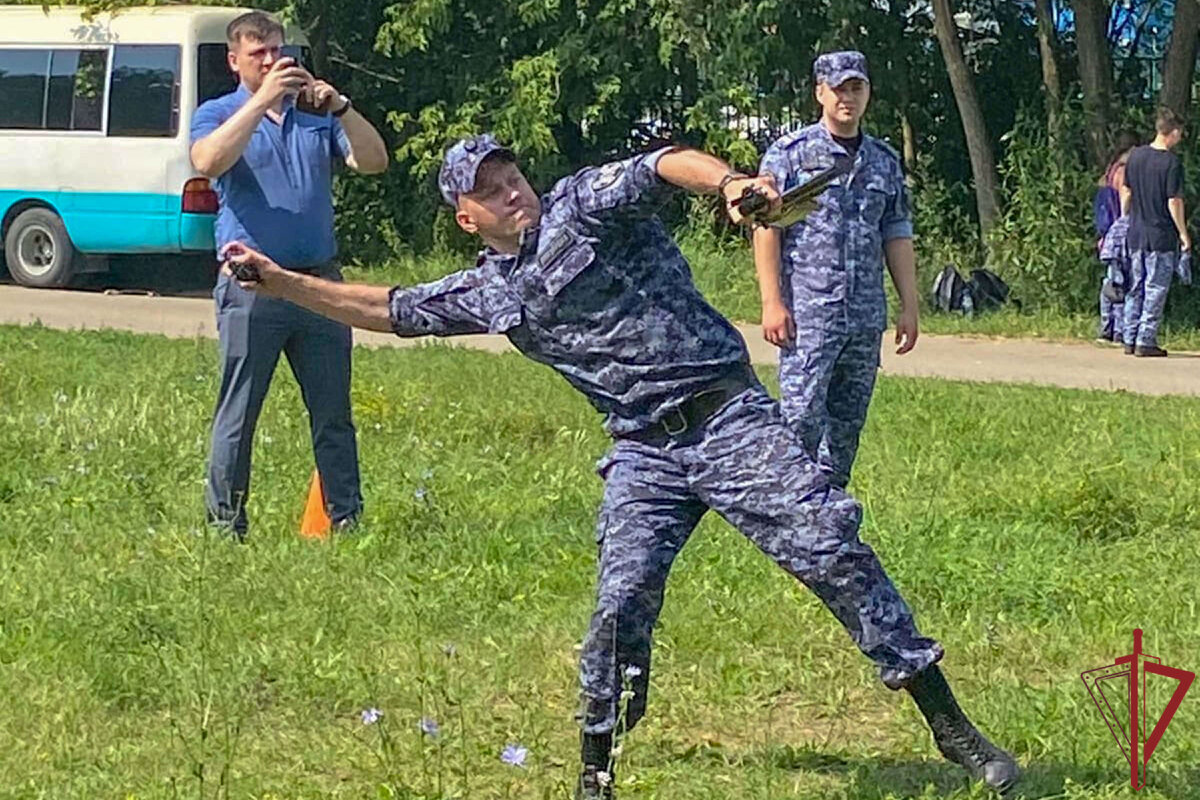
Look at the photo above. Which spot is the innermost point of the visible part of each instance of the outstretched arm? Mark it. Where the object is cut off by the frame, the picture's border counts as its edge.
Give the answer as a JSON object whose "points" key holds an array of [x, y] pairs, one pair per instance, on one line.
{"points": [[469, 301], [358, 305], [701, 173]]}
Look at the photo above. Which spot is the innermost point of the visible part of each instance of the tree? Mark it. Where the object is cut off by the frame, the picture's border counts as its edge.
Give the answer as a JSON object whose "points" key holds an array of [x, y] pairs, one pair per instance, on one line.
{"points": [[1180, 64], [1050, 81], [979, 146], [1095, 74]]}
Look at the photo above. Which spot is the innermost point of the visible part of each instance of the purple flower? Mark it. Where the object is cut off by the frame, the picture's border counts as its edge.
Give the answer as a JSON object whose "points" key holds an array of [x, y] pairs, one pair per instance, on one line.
{"points": [[419, 493], [514, 755], [371, 715], [429, 727], [632, 672]]}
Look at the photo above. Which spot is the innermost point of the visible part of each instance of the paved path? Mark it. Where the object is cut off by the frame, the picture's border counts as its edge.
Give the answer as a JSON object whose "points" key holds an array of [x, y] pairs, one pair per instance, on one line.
{"points": [[1075, 365]]}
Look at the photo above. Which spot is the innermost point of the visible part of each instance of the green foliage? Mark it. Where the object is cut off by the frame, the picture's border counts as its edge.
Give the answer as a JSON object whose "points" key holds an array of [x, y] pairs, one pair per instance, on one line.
{"points": [[567, 81], [1044, 245]]}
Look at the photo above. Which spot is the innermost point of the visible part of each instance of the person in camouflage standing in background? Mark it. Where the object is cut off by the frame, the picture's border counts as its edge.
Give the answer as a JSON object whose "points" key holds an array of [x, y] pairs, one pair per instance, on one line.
{"points": [[588, 281], [821, 280]]}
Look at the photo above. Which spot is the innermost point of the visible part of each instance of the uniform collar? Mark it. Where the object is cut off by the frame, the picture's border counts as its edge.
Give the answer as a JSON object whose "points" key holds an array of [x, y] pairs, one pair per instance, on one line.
{"points": [[827, 135]]}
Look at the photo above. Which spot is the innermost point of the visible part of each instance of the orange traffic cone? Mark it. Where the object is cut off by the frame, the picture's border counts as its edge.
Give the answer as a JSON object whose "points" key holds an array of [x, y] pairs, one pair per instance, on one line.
{"points": [[315, 524]]}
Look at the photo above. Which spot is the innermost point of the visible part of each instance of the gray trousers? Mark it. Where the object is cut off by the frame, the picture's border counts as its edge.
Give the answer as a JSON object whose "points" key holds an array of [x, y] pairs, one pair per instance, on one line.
{"points": [[253, 331]]}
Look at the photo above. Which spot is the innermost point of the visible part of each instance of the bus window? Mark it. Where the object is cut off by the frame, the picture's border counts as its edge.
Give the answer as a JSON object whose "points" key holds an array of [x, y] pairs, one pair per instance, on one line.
{"points": [[75, 98], [143, 100], [215, 79], [22, 87]]}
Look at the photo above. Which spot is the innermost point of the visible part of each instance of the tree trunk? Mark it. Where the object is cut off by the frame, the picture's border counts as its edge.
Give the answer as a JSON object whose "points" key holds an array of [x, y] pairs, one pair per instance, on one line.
{"points": [[1180, 63], [314, 19], [908, 140], [1095, 74], [979, 146], [1045, 35]]}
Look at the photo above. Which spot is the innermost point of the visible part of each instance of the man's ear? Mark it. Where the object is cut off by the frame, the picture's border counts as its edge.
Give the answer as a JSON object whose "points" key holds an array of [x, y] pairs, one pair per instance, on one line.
{"points": [[466, 222]]}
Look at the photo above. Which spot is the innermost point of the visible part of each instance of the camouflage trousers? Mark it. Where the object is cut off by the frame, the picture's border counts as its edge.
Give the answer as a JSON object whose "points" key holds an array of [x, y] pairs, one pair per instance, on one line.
{"points": [[746, 464], [825, 382], [1112, 313]]}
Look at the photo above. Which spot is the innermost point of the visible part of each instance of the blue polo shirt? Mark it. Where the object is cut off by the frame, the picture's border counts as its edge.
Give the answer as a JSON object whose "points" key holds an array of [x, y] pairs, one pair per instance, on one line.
{"points": [[277, 198]]}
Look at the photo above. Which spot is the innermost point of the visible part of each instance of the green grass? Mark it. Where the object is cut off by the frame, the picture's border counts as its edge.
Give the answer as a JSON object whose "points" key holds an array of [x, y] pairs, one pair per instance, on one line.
{"points": [[1031, 529], [725, 274]]}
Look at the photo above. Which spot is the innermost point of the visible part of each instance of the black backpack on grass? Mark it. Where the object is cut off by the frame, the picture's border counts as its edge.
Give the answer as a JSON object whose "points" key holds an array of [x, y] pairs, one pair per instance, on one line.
{"points": [[949, 290], [987, 289], [983, 292]]}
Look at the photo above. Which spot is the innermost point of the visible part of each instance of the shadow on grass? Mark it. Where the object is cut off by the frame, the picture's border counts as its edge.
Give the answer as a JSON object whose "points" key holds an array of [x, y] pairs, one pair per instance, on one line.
{"points": [[898, 779]]}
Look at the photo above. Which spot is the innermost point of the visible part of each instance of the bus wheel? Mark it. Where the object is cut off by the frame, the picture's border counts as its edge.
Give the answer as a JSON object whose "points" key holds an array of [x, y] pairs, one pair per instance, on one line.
{"points": [[38, 250]]}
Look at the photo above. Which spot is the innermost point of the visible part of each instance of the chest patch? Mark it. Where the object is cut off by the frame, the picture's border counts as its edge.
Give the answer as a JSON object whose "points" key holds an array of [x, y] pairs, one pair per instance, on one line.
{"points": [[554, 251]]}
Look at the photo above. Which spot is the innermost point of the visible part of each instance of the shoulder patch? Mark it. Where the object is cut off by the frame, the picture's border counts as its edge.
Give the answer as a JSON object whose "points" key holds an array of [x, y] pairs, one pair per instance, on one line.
{"points": [[607, 175]]}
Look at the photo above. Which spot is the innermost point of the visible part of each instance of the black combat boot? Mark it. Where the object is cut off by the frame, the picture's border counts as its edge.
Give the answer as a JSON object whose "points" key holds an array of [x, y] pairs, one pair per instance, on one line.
{"points": [[596, 777], [957, 738]]}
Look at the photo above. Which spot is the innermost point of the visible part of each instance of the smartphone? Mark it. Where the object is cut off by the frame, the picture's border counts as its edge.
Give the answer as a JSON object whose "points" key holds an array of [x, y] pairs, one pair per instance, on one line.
{"points": [[294, 52], [298, 53]]}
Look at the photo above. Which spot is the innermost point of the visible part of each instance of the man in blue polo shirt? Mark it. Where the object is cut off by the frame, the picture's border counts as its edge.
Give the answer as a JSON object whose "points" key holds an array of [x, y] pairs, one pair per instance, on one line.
{"points": [[272, 167]]}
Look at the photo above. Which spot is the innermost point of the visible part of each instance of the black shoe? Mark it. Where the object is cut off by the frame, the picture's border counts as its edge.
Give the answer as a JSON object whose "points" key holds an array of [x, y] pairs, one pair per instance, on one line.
{"points": [[596, 777], [347, 526], [594, 784], [957, 738], [1129, 349], [230, 529], [1149, 351]]}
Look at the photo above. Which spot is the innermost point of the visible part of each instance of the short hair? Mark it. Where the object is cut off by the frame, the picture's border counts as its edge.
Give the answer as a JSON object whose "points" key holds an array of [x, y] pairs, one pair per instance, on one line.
{"points": [[256, 25], [1167, 121]]}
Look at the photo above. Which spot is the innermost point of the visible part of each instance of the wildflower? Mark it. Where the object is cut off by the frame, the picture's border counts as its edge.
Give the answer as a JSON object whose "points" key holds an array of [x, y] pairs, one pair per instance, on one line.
{"points": [[429, 727], [419, 493], [371, 715], [632, 672], [514, 755]]}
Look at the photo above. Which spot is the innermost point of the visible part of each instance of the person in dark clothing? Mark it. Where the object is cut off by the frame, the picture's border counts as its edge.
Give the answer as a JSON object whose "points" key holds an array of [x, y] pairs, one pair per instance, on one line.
{"points": [[1153, 198]]}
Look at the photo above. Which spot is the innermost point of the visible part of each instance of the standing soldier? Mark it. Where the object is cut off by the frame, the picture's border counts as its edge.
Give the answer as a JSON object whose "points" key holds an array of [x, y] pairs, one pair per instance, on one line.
{"points": [[822, 279], [588, 281]]}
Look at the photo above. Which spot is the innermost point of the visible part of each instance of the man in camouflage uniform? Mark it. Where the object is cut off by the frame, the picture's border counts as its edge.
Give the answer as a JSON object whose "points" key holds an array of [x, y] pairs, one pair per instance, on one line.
{"points": [[589, 282], [822, 279]]}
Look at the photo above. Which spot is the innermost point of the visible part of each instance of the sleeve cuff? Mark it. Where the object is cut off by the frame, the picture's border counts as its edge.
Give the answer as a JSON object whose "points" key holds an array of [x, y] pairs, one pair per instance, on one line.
{"points": [[902, 229], [396, 311], [650, 161]]}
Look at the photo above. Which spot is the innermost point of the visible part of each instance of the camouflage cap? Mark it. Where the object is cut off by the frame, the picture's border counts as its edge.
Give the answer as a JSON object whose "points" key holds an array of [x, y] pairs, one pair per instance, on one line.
{"points": [[457, 175], [834, 69]]}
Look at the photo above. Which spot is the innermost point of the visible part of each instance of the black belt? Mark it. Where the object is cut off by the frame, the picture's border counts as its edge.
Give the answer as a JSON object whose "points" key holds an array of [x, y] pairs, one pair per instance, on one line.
{"points": [[696, 410]]}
